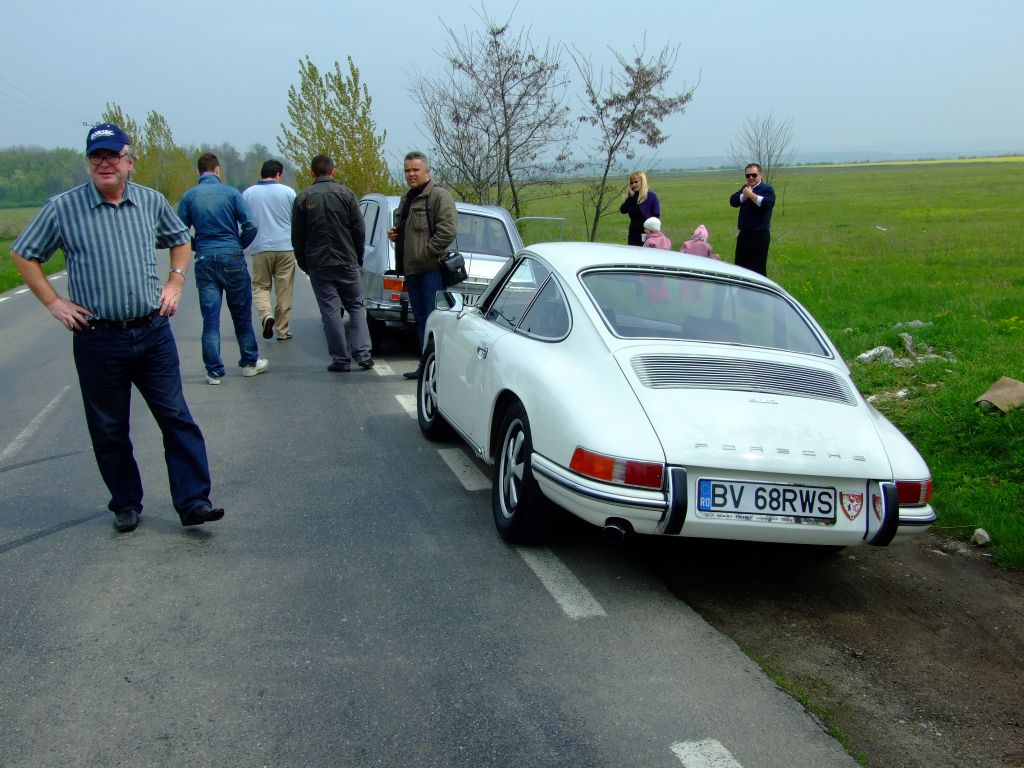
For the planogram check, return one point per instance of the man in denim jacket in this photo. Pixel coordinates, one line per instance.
(216, 212)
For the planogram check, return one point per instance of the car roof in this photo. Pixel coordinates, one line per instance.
(570, 258)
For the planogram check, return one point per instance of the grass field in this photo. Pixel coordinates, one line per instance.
(865, 248)
(12, 221)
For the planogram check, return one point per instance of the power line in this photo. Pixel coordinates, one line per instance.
(57, 111)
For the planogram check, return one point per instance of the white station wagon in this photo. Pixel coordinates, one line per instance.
(655, 392)
(487, 238)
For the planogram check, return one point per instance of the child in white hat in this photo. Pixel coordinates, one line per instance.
(654, 237)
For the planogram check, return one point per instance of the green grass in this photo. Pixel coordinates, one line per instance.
(868, 247)
(12, 221)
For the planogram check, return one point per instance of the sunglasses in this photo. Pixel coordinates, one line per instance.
(751, 175)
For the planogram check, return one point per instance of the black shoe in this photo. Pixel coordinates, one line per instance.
(126, 520)
(268, 327)
(411, 374)
(339, 367)
(366, 364)
(200, 515)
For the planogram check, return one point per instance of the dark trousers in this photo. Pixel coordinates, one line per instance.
(337, 290)
(752, 251)
(109, 362)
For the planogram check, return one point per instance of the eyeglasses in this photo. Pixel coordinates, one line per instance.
(751, 175)
(98, 160)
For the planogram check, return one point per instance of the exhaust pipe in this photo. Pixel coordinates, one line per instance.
(616, 531)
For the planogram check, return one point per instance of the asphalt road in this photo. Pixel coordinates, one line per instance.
(355, 606)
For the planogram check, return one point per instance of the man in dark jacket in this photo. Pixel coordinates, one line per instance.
(425, 226)
(755, 200)
(328, 238)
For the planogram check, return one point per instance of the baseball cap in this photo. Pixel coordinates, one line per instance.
(106, 136)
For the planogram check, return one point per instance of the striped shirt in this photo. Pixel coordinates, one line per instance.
(109, 250)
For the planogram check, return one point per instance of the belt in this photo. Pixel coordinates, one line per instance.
(125, 325)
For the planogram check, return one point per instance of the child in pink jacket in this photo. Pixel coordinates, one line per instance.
(654, 237)
(699, 245)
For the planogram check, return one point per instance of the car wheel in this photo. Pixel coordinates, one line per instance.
(522, 514)
(432, 423)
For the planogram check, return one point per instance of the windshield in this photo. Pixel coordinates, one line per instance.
(648, 304)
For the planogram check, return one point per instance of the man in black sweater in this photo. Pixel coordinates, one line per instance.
(755, 200)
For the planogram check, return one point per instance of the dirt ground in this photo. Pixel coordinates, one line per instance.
(915, 651)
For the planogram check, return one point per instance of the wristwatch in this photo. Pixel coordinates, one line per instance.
(176, 271)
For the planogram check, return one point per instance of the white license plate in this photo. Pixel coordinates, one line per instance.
(773, 500)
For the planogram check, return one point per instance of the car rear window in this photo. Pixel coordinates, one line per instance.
(482, 234)
(650, 304)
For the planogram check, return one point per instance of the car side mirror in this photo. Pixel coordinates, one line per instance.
(446, 300)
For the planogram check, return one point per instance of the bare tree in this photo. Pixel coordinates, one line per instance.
(626, 104)
(764, 141)
(498, 120)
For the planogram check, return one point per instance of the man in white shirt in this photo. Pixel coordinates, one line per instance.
(273, 260)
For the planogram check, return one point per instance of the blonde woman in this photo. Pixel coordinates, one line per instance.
(640, 204)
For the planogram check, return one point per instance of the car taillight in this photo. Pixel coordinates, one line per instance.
(394, 284)
(643, 474)
(914, 493)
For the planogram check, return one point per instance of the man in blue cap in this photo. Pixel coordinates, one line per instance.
(118, 308)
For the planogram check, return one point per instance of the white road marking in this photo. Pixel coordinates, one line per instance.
(4, 298)
(26, 434)
(704, 754)
(568, 591)
(58, 276)
(408, 402)
(382, 368)
(21, 291)
(469, 475)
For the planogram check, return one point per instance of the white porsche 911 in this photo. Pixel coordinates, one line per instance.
(655, 392)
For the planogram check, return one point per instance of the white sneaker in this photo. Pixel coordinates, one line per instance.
(213, 379)
(252, 370)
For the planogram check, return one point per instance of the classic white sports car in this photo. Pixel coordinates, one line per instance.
(655, 392)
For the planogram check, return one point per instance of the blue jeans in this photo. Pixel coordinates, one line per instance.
(109, 362)
(225, 275)
(422, 290)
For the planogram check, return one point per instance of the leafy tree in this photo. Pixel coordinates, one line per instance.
(114, 114)
(626, 104)
(31, 175)
(330, 114)
(764, 141)
(162, 164)
(498, 120)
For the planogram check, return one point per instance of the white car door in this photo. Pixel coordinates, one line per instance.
(467, 380)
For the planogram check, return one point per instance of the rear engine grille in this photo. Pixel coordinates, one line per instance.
(678, 371)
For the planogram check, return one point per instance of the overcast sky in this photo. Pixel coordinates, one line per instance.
(910, 77)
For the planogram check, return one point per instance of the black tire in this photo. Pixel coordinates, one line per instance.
(522, 514)
(432, 423)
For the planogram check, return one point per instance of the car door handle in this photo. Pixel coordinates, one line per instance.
(481, 351)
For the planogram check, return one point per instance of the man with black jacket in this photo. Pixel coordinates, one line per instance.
(755, 199)
(328, 238)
